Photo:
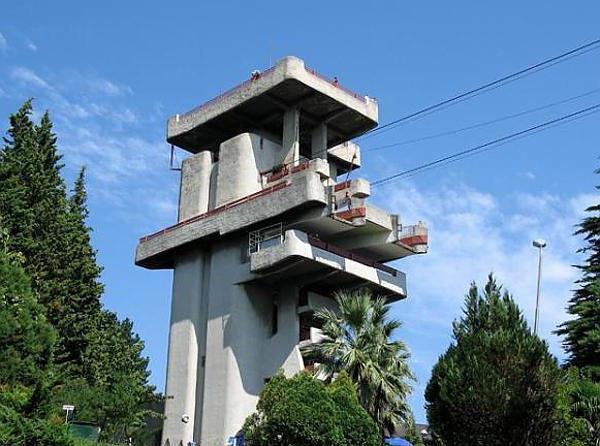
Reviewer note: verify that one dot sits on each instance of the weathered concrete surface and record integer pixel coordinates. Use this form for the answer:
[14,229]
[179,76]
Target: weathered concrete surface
[296,247]
[194,192]
[289,74]
[235,317]
[306,190]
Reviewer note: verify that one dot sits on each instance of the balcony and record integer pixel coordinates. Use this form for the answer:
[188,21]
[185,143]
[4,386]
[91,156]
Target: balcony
[324,266]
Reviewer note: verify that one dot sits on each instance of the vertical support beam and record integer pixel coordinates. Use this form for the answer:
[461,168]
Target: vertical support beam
[194,191]
[185,338]
[291,136]
[318,146]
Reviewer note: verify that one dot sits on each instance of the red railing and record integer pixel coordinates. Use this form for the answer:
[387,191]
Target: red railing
[268,72]
[278,174]
[230,205]
[233,89]
[318,243]
[336,84]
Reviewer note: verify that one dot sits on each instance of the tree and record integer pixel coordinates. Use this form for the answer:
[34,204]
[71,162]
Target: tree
[33,210]
[303,411]
[95,354]
[116,396]
[357,340]
[579,406]
[497,383]
[26,368]
[582,333]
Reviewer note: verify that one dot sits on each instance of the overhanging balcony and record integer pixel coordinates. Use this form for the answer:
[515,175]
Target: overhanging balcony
[323,266]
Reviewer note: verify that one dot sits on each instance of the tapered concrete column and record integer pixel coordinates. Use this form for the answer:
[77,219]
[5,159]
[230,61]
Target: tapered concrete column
[291,136]
[318,147]
[195,185]
[185,339]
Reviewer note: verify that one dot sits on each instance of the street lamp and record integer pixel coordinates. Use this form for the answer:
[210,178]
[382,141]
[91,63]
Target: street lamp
[540,244]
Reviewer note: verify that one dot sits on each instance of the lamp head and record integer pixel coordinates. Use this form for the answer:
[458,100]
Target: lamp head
[539,243]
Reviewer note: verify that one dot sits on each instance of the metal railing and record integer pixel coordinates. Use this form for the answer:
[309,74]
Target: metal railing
[412,230]
[336,83]
[265,237]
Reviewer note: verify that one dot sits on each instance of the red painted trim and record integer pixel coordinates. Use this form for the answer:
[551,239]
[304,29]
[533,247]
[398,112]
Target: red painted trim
[352,213]
[237,202]
[340,186]
[415,240]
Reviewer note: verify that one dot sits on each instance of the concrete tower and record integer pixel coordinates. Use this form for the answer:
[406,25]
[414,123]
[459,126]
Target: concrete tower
[269,227]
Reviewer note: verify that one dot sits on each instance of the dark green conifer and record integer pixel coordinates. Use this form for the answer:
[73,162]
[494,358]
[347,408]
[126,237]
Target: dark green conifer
[582,333]
[497,383]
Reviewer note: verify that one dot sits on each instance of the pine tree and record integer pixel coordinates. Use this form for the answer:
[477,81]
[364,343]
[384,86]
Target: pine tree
[497,383]
[582,333]
[98,358]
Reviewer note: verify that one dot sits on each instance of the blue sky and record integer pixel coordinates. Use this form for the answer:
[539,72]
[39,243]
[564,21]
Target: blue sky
[112,72]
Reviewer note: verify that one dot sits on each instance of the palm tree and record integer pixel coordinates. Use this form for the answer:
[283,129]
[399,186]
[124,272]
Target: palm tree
[588,410]
[357,340]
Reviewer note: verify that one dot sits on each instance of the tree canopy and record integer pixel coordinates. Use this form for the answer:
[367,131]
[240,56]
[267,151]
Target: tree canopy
[303,411]
[582,332]
[98,358]
[497,383]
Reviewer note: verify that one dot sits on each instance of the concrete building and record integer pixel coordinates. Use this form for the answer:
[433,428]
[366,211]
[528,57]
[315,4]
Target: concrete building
[271,223]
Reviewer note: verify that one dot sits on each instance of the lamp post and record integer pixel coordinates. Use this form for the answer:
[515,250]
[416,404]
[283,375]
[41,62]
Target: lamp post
[540,244]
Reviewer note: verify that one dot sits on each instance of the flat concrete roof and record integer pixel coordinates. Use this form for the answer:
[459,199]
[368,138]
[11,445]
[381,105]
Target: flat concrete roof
[258,105]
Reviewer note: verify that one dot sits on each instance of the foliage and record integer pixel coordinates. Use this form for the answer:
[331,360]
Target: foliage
[26,369]
[303,411]
[357,340]
[579,405]
[497,383]
[582,332]
[96,355]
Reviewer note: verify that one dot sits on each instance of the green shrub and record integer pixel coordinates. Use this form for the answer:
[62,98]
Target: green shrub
[303,411]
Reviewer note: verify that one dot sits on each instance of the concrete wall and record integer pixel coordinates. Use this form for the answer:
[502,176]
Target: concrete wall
[241,161]
[186,341]
[241,351]
[194,192]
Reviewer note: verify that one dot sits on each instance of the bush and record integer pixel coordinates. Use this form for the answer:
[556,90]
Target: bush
[303,411]
[16,430]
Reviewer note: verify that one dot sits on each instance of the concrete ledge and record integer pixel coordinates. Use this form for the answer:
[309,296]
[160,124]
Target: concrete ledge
[277,84]
[154,252]
[297,249]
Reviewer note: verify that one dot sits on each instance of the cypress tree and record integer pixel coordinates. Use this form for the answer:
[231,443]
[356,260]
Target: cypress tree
[81,282]
[582,333]
[98,358]
[33,206]
[497,383]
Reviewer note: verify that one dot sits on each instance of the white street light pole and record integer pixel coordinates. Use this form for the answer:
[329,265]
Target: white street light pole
[540,244]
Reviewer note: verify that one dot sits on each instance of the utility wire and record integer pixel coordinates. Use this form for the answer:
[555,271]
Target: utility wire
[481,124]
[488,145]
[576,52]
[580,50]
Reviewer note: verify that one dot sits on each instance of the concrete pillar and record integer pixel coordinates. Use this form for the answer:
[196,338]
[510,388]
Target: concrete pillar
[238,174]
[318,148]
[333,171]
[291,136]
[194,190]
[185,339]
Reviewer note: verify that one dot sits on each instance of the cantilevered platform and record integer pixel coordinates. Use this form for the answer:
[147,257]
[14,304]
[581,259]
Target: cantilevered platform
[312,262]
[258,104]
